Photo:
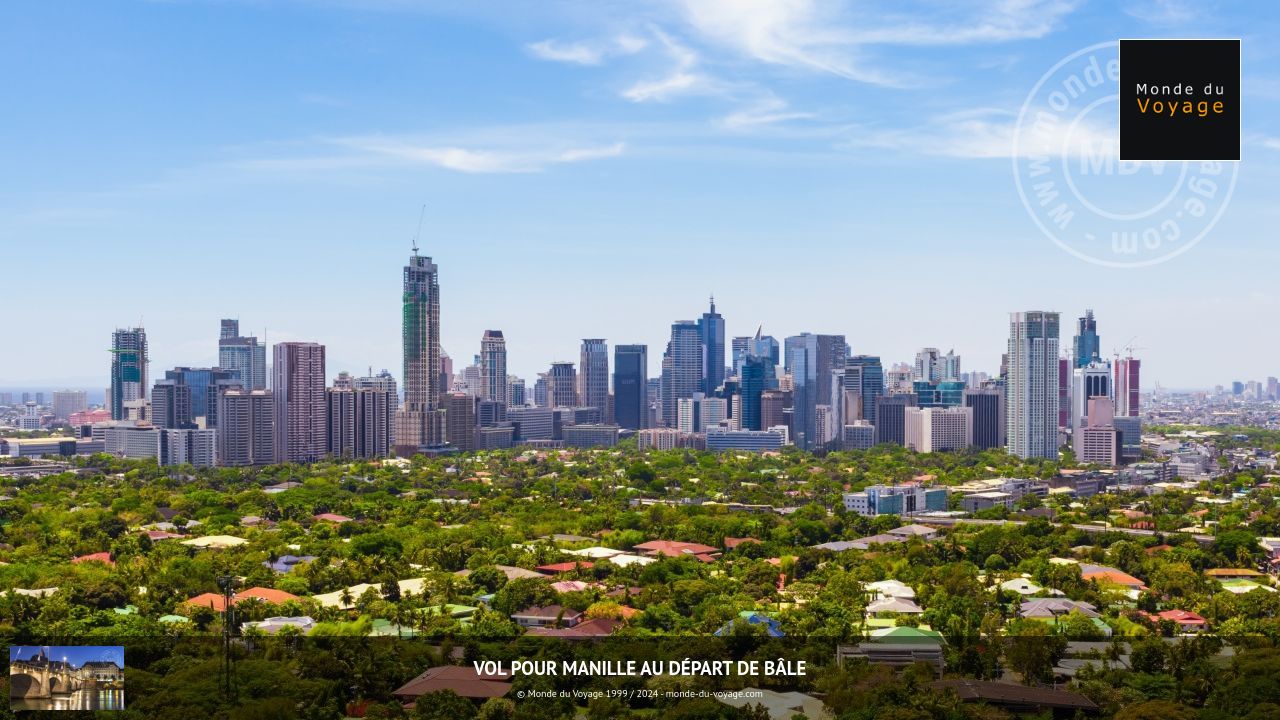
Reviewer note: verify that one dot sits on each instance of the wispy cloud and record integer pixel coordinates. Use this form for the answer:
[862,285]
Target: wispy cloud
[681,79]
[587,52]
[1164,12]
[478,160]
[766,111]
[986,133]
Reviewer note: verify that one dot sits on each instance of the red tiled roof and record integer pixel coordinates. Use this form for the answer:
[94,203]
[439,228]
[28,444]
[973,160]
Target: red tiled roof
[102,557]
[331,517]
[210,600]
[1182,617]
[599,627]
[463,681]
[672,548]
[270,595]
[1114,577]
[733,542]
[564,567]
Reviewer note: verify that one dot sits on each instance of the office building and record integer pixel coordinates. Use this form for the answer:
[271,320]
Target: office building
[895,500]
[460,421]
[593,375]
[949,367]
[861,435]
[131,440]
[720,439]
[591,435]
[711,338]
[493,368]
[681,368]
[171,405]
[891,418]
[244,356]
[1128,386]
[202,382]
[810,360]
[497,437]
[246,427]
[516,392]
[988,406]
[775,407]
[927,369]
[1087,382]
[532,423]
[1032,385]
[562,385]
[1087,346]
[630,386]
[68,402]
[1097,440]
[1130,437]
[753,381]
[298,389]
[128,369]
[340,418]
[1065,369]
[938,429]
[865,375]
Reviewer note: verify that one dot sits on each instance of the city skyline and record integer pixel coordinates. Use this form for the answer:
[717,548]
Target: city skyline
[656,157]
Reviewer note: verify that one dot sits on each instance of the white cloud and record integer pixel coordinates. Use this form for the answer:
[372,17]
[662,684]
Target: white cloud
[767,111]
[828,37]
[587,53]
[989,133]
[682,79]
[470,160]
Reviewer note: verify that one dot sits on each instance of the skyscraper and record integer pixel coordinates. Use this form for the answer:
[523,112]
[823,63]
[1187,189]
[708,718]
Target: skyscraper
[68,402]
[891,418]
[493,367]
[681,368]
[1128,386]
[870,374]
[928,368]
[242,355]
[1088,382]
[460,421]
[988,406]
[128,369]
[1032,386]
[593,374]
[630,386]
[711,338]
[1086,346]
[562,382]
[811,359]
[753,381]
[417,423]
[245,434]
[171,405]
[203,383]
[300,409]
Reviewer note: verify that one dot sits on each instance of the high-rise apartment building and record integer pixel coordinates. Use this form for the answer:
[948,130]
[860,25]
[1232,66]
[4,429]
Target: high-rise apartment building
[1128,371]
[128,369]
[298,379]
[203,383]
[868,376]
[417,423]
[493,367]
[711,338]
[243,355]
[630,386]
[246,427]
[593,374]
[1032,385]
[1087,382]
[460,421]
[68,402]
[681,368]
[938,429]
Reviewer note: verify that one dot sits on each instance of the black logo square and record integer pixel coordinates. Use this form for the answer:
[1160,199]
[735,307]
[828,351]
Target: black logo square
[1179,99]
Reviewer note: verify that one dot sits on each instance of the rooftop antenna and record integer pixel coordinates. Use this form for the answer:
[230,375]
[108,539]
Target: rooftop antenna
[418,234]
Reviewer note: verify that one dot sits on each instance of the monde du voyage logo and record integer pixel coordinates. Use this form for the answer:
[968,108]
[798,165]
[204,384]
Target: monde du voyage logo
[1124,152]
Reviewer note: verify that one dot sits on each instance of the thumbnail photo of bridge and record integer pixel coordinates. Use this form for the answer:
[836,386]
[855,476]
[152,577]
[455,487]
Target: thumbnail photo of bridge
[68,677]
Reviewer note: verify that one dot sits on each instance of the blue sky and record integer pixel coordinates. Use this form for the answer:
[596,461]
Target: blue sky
[589,170]
[77,655]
